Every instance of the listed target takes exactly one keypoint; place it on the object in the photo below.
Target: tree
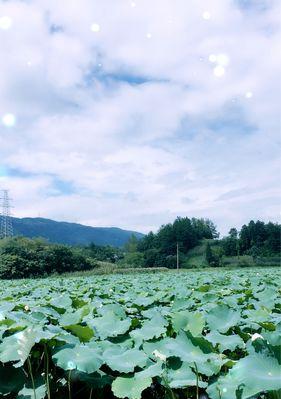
(229, 246)
(160, 248)
(12, 266)
(261, 238)
(132, 259)
(233, 233)
(272, 243)
(209, 255)
(244, 238)
(147, 242)
(132, 244)
(105, 253)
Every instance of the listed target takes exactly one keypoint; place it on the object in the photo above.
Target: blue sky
(130, 113)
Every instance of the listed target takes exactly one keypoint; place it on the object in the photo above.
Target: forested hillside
(71, 233)
(198, 245)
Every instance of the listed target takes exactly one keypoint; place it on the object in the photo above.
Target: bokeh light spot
(219, 71)
(212, 58)
(5, 22)
(9, 120)
(222, 59)
(249, 94)
(206, 15)
(95, 27)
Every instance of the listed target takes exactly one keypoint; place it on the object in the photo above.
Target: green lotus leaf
(76, 317)
(188, 321)
(80, 357)
(109, 325)
(258, 315)
(143, 301)
(152, 370)
(5, 308)
(150, 329)
(19, 345)
(28, 392)
(181, 304)
(118, 310)
(183, 348)
(211, 365)
(63, 336)
(225, 342)
(274, 338)
(123, 360)
(250, 376)
(221, 318)
(84, 333)
(182, 377)
(130, 387)
(161, 345)
(61, 302)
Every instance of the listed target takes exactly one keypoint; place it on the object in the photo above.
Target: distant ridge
(71, 233)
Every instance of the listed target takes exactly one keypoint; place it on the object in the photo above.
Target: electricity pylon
(6, 226)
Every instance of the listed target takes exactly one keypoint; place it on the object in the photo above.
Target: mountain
(71, 233)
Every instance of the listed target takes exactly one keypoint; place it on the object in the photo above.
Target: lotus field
(211, 334)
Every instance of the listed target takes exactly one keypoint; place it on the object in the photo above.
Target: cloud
(128, 124)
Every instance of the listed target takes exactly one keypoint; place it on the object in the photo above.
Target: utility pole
(178, 265)
(6, 226)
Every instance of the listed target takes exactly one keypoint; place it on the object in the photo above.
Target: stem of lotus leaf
(197, 381)
(47, 371)
(166, 384)
(31, 376)
(69, 384)
(91, 393)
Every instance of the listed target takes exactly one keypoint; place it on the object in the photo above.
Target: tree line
(160, 249)
(255, 239)
(21, 257)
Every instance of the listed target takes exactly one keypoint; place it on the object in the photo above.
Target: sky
(131, 113)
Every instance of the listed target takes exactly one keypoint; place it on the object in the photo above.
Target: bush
(12, 266)
(132, 259)
(21, 257)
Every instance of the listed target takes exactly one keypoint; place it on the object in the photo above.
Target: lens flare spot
(9, 120)
(206, 15)
(219, 71)
(95, 27)
(222, 59)
(5, 22)
(70, 365)
(212, 58)
(249, 94)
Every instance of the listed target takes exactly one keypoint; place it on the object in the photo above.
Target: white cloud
(137, 126)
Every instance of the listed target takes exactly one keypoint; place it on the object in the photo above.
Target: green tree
(22, 257)
(233, 233)
(132, 244)
(132, 259)
(209, 254)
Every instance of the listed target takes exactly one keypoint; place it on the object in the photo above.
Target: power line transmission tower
(6, 226)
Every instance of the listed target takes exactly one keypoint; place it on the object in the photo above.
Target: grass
(111, 268)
